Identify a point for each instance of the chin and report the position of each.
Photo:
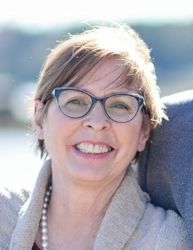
(88, 174)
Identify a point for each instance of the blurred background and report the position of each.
(28, 30)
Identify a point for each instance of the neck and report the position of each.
(79, 205)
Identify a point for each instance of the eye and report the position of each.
(120, 105)
(119, 108)
(74, 101)
(77, 101)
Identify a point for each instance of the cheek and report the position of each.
(131, 138)
(56, 129)
(59, 132)
(51, 136)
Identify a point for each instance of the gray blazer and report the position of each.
(168, 161)
(131, 222)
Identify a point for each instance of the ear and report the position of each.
(144, 136)
(38, 120)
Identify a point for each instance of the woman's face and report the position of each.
(70, 142)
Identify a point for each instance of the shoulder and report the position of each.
(10, 204)
(167, 227)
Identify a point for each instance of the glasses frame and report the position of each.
(94, 99)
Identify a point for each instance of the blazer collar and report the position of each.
(123, 215)
(119, 223)
(29, 217)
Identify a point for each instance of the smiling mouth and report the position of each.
(89, 148)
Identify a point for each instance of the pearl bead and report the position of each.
(44, 237)
(45, 205)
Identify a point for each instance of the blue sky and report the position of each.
(43, 14)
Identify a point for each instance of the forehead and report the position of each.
(107, 75)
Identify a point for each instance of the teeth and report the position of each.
(93, 148)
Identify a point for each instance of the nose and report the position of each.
(96, 119)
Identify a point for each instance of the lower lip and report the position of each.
(92, 156)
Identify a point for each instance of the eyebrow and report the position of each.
(121, 91)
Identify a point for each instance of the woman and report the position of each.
(95, 105)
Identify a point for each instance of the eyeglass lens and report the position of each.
(118, 107)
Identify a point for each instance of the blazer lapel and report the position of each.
(122, 217)
(119, 223)
(27, 225)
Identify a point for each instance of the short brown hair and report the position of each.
(73, 58)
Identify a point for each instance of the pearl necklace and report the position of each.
(44, 222)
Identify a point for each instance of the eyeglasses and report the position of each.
(119, 107)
